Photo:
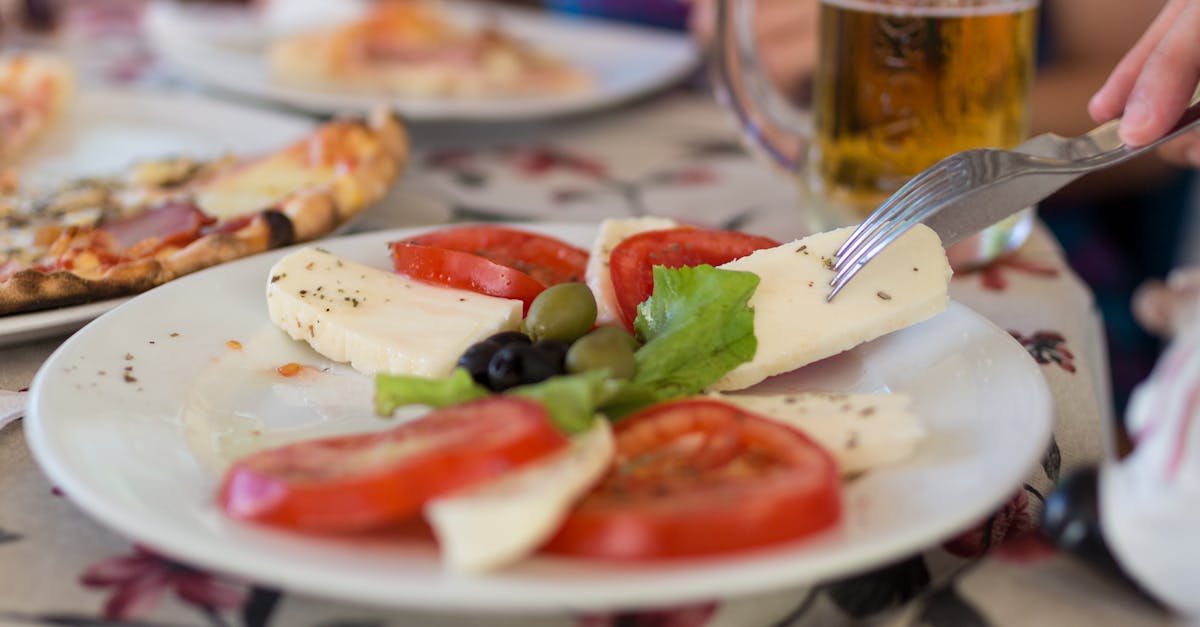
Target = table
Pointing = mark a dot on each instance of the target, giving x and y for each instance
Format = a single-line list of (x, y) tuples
[(676, 154)]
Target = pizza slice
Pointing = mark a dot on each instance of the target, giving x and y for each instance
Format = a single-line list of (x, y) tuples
[(34, 90), (413, 48), (101, 238)]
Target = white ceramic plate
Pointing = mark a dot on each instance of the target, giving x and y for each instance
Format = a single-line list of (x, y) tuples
[(107, 130), (141, 455), (225, 49)]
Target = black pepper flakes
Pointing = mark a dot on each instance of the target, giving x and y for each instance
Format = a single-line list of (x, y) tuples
[(310, 265), (802, 248), (176, 334), (827, 262), (883, 295), (867, 412), (275, 278), (130, 378), (128, 356)]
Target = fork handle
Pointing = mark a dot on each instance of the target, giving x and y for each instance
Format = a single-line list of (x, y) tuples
[(1187, 121)]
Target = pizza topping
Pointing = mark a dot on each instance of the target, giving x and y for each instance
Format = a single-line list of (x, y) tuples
[(174, 223)]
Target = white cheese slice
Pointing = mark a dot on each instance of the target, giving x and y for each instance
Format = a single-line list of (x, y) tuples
[(378, 321), (861, 431), (260, 185), (505, 520), (795, 326), (612, 232)]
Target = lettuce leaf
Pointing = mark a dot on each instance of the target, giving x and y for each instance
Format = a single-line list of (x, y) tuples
[(571, 400), (697, 326), (395, 391)]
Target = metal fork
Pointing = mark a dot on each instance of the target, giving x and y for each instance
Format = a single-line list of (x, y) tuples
[(971, 190)]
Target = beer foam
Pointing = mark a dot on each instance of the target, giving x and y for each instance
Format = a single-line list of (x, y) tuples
[(935, 8)]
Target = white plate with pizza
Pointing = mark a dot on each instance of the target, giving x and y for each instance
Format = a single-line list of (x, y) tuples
[(452, 61), (132, 189), (134, 416), (105, 131)]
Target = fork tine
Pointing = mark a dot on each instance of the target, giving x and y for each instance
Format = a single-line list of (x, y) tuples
[(933, 193), (919, 215), (889, 208)]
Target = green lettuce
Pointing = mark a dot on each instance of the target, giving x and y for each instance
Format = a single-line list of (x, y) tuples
[(697, 326), (395, 391), (571, 400)]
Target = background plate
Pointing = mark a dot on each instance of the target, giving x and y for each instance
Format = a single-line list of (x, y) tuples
[(225, 49), (106, 130), (143, 456)]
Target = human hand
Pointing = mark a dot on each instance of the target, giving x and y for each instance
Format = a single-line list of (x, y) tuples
[(1155, 81), (786, 31), (1165, 308)]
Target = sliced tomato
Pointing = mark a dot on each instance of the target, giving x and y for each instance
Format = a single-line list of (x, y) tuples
[(702, 477), (366, 481), (493, 260), (632, 261)]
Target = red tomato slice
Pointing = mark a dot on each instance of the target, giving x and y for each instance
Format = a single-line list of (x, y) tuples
[(358, 482), (701, 477), (632, 261), (493, 260)]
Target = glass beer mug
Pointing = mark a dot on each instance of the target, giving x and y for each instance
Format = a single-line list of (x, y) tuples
[(896, 86)]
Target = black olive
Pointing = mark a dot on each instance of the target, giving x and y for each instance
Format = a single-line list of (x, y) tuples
[(521, 364), (504, 338), (507, 367), (554, 352), (476, 358)]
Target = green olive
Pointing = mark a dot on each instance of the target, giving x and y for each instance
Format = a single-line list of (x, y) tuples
[(562, 312), (603, 349), (614, 334)]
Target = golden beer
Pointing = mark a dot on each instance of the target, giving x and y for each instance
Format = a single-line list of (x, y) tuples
[(901, 84)]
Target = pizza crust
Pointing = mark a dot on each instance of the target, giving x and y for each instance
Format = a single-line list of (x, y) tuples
[(31, 290)]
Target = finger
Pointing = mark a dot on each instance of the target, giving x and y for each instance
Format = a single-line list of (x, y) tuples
[(1167, 81), (1110, 100), (702, 19), (1183, 151)]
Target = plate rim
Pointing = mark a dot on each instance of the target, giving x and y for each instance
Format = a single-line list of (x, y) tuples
[(41, 443), (176, 53)]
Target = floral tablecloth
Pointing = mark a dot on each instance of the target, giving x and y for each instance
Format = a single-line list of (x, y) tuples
[(675, 155)]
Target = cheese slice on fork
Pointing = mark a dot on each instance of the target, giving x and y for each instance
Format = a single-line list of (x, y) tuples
[(795, 326)]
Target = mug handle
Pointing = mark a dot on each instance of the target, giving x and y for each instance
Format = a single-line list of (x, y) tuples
[(775, 126)]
